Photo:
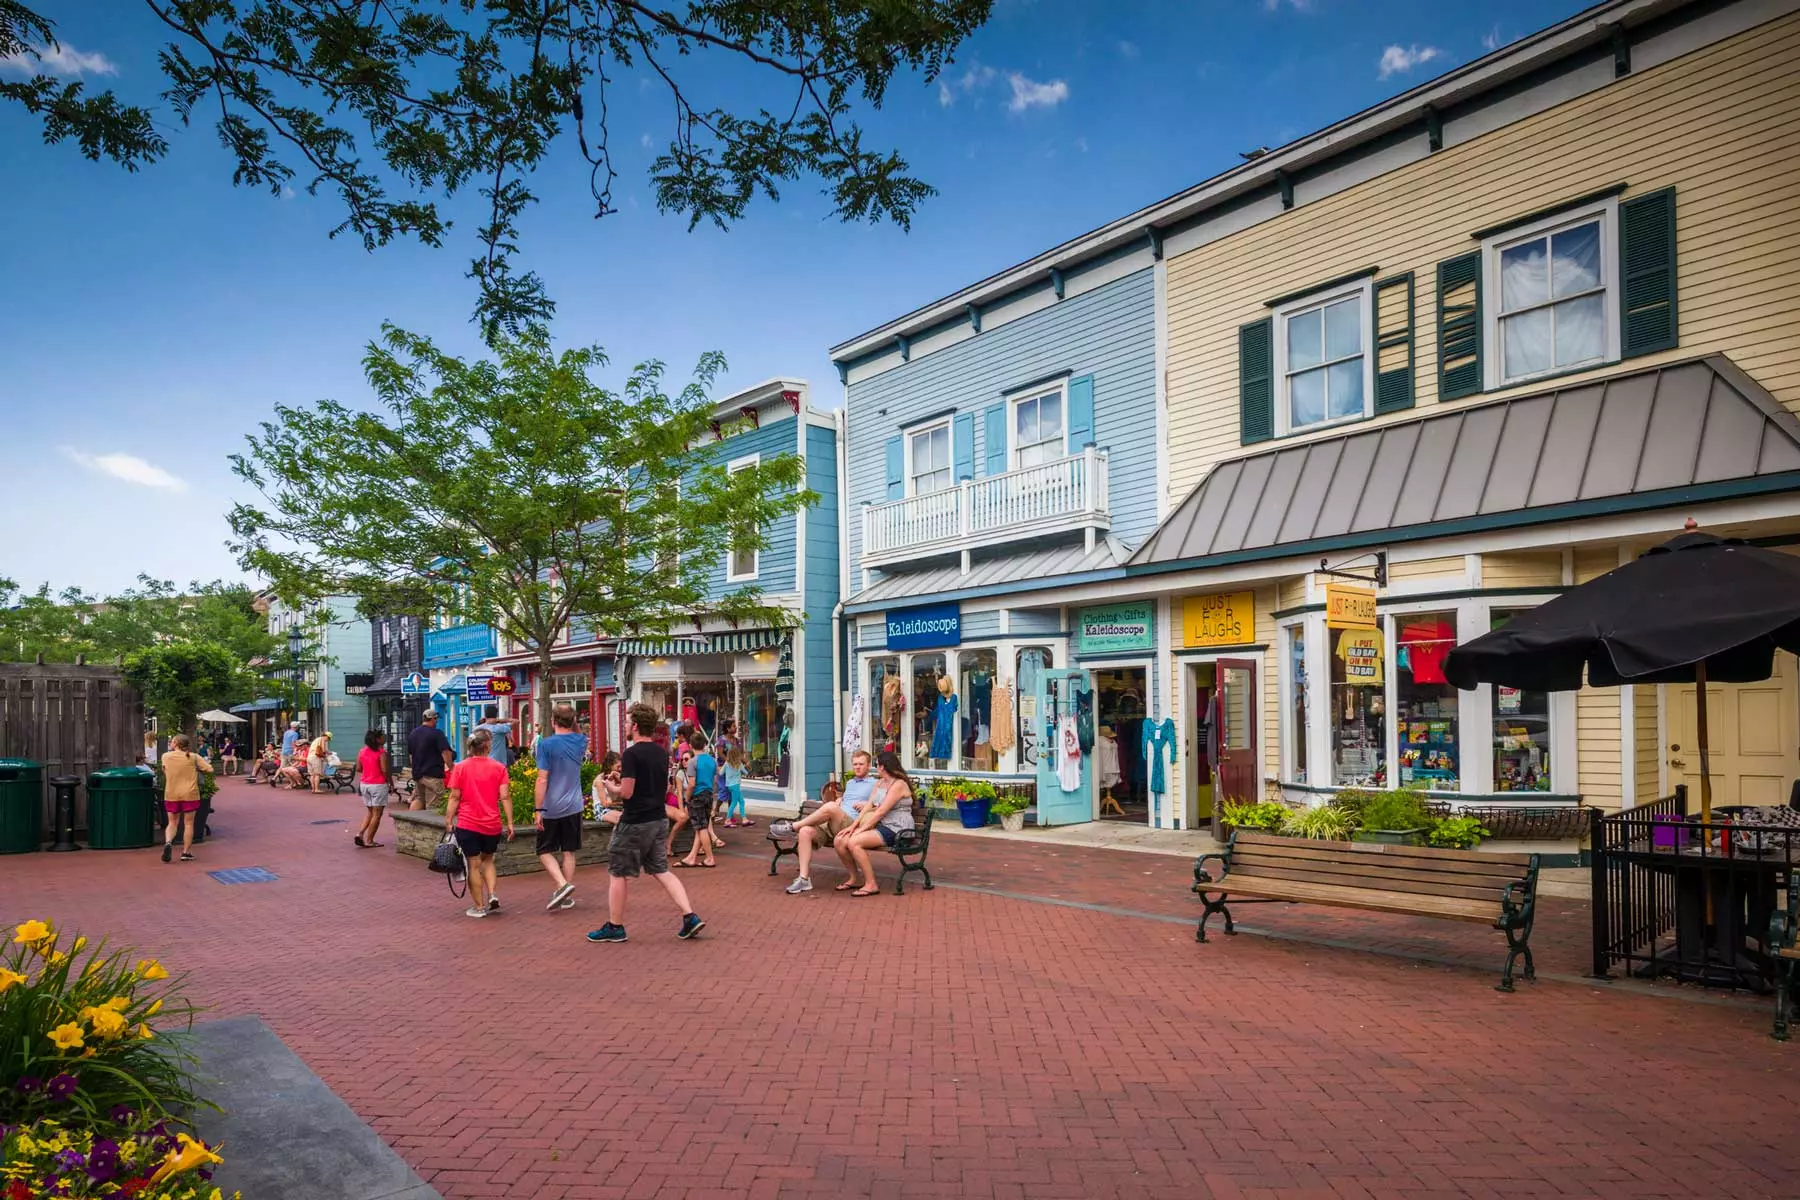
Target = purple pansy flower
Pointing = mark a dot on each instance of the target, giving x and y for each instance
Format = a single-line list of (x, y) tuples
[(120, 1113), (103, 1160), (70, 1160), (28, 1084), (61, 1087)]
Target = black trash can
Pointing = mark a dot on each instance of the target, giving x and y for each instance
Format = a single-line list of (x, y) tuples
[(121, 809), (21, 806)]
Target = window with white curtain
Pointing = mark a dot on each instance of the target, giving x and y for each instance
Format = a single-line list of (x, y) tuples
[(1552, 296), (1323, 365), (1040, 434)]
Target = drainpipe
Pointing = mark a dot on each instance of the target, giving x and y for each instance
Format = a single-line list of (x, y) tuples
[(841, 426)]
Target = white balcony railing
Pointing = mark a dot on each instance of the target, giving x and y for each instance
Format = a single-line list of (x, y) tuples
[(1055, 497)]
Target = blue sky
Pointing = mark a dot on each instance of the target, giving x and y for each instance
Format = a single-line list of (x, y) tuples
[(148, 321)]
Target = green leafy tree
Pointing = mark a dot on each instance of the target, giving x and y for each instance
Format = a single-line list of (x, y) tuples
[(449, 97), (53, 625), (515, 492), (180, 679)]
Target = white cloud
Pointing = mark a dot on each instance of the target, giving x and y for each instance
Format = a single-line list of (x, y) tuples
[(970, 81), (1129, 49), (58, 60), (646, 141), (1296, 5), (1397, 60), (1081, 144), (1491, 40), (288, 192), (128, 468), (1028, 93)]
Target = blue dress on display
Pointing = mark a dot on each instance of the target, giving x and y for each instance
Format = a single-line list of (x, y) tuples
[(943, 729)]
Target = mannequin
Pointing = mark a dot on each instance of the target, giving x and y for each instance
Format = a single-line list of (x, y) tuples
[(943, 726), (893, 710), (1106, 761)]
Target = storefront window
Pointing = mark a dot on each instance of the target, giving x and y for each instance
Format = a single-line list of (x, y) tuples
[(661, 697), (1430, 753), (930, 746), (703, 701), (759, 724), (1358, 709), (1296, 725), (1033, 662), (976, 707), (886, 704), (1521, 723)]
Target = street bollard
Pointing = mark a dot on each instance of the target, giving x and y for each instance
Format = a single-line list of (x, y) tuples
[(64, 786)]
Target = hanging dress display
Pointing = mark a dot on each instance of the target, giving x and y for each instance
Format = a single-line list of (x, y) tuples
[(1003, 718), (853, 725), (1159, 738), (943, 729), (1084, 718), (893, 710), (1068, 755)]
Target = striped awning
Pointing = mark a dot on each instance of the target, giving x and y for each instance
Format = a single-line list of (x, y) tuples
[(734, 642)]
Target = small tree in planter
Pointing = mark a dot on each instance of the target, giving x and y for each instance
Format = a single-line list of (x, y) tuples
[(1396, 818)]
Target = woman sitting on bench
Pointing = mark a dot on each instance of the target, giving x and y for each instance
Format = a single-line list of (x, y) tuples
[(880, 824)]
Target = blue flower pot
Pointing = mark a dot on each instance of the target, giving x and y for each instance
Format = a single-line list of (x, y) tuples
[(974, 813)]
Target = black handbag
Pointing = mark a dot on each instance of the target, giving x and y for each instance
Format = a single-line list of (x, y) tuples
[(447, 860)]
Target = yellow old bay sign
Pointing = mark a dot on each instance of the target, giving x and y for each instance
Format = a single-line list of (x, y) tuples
[(1223, 619), (1349, 607)]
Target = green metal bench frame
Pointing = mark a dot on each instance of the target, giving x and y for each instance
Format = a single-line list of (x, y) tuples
[(1784, 935)]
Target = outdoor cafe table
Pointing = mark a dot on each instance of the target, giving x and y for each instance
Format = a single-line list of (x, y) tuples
[(1738, 886)]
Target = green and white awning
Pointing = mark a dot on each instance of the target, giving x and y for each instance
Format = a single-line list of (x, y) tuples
[(734, 642)]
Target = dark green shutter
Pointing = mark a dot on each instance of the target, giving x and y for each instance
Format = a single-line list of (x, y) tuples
[(1459, 326), (1394, 343), (1256, 381), (1647, 274)]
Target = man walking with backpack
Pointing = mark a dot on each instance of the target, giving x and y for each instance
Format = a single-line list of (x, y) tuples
[(640, 839)]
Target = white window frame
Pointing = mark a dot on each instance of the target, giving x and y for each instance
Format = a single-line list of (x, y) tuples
[(731, 576), (908, 434), (1060, 389), (1364, 291), (1492, 351)]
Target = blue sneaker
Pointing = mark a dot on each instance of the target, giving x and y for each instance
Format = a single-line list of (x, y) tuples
[(690, 925), (609, 933)]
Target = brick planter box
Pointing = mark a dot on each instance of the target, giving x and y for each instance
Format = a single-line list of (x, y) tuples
[(418, 833)]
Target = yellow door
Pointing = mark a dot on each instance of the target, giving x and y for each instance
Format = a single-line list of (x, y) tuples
[(1755, 742)]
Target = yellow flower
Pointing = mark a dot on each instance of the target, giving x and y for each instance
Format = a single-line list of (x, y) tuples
[(145, 1032), (187, 1155), (121, 1003), (108, 1024), (153, 1009), (67, 1036), (31, 933), (94, 964), (8, 978), (79, 943), (149, 968), (58, 958)]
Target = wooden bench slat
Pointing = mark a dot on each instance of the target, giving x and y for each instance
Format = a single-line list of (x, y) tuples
[(1371, 870), (1246, 839), (1486, 892), (1370, 899), (1419, 858)]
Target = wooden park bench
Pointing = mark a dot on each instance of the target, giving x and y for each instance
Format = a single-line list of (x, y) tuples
[(341, 778), (1784, 948), (909, 850), (1454, 885)]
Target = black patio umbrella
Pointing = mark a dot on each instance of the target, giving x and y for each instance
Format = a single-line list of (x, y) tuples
[(1695, 609)]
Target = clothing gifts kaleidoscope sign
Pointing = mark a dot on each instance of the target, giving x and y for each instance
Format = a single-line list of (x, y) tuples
[(1115, 628)]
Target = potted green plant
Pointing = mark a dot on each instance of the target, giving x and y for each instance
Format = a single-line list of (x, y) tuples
[(1396, 818), (1266, 815), (974, 800), (1325, 822), (1459, 833), (1010, 808)]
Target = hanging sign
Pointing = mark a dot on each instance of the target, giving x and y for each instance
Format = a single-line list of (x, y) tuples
[(478, 691), (501, 685), (1115, 628), (1360, 650), (1223, 619), (415, 685), (924, 627), (1348, 607)]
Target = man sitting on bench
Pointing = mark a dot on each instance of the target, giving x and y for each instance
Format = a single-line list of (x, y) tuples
[(821, 827)]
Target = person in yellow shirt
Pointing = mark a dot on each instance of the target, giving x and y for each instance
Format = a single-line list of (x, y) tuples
[(181, 794), (315, 762)]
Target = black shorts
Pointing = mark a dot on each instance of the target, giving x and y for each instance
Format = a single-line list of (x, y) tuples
[(560, 835), (473, 843), (700, 809), (638, 846)]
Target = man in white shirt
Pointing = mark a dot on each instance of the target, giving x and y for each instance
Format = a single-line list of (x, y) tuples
[(820, 827)]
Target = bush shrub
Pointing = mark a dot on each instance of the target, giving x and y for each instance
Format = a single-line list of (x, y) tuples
[(1401, 809), (1266, 814), (1323, 821), (1459, 833)]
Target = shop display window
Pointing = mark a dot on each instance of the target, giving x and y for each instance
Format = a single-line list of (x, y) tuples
[(886, 704), (1358, 709), (702, 702), (661, 697), (759, 724), (1297, 704), (928, 669), (1425, 702), (978, 669), (1521, 732)]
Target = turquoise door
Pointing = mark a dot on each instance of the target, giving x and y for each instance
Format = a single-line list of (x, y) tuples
[(1057, 697)]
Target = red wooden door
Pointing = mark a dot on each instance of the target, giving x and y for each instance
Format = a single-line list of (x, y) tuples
[(1236, 766)]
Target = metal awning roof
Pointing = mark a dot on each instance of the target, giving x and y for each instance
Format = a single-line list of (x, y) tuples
[(1051, 565), (1697, 429), (266, 704)]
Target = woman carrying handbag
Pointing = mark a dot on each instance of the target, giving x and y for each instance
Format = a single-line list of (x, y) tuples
[(181, 795)]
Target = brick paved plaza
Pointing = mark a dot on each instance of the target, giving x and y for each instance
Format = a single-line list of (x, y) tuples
[(1061, 1035)]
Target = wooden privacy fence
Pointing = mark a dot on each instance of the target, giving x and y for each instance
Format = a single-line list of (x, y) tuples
[(72, 719)]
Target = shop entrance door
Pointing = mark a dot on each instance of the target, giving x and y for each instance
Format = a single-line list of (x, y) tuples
[(1752, 728), (1064, 792), (1200, 746), (1121, 778), (1236, 745)]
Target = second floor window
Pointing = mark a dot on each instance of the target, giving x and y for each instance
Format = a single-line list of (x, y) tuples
[(1040, 434), (1555, 294), (928, 460), (741, 562), (1322, 354)]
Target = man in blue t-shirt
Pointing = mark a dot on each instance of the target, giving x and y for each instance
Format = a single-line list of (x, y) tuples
[(559, 802), (288, 741)]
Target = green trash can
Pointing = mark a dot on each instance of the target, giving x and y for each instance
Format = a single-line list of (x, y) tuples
[(21, 806), (121, 809)]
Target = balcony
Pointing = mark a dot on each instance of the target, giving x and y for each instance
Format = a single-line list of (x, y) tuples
[(1063, 496)]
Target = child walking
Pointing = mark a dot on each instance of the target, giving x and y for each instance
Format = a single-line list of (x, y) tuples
[(731, 778)]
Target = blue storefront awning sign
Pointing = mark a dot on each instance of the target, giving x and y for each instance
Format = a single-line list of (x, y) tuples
[(924, 627)]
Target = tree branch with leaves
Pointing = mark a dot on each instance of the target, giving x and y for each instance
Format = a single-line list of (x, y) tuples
[(514, 492)]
